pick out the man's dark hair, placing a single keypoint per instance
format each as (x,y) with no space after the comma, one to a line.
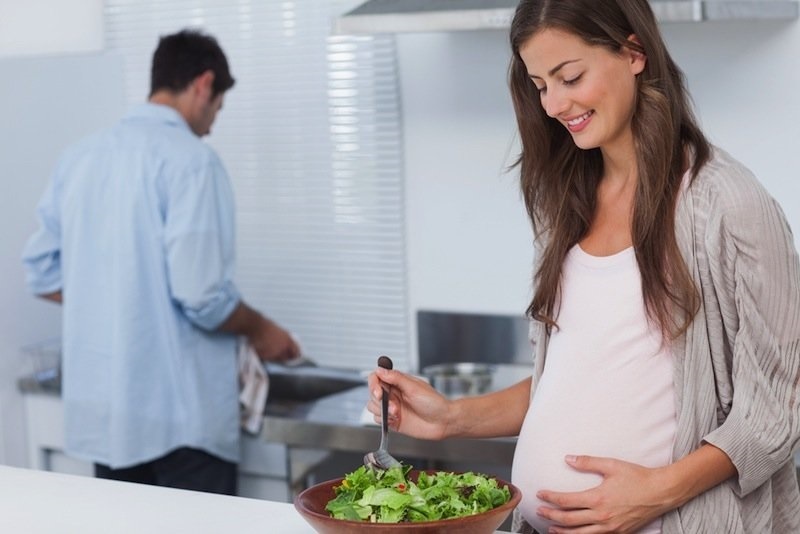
(183,56)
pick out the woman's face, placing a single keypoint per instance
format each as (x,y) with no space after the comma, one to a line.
(588,89)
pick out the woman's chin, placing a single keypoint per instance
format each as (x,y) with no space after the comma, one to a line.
(584,143)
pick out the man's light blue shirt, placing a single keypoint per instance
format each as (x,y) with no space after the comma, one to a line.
(137,231)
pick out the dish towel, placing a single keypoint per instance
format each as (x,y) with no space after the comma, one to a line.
(254,386)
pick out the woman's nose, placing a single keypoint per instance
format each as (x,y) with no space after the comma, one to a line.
(554,103)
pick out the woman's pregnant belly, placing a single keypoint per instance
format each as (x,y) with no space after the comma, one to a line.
(624,412)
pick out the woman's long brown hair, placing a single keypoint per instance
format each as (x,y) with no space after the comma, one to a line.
(559,180)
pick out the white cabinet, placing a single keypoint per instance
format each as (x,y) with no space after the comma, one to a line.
(45,424)
(262,471)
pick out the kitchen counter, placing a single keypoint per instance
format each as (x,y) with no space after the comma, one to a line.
(29,384)
(40,502)
(43,502)
(335,422)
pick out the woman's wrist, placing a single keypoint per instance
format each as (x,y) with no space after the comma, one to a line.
(673,483)
(454,425)
(693,474)
(466,417)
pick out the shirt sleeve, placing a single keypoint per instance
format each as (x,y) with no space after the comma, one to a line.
(41,256)
(199,240)
(762,428)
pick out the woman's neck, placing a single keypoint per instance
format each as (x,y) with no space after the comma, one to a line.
(619,163)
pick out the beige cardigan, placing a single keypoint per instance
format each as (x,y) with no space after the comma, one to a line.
(737,368)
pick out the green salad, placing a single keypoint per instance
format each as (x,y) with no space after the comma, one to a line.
(390,497)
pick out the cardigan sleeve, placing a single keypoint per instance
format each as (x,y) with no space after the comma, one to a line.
(762,429)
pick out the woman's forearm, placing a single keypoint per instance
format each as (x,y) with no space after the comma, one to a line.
(695,473)
(492,415)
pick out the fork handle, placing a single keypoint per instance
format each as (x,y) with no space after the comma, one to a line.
(386,363)
(385,417)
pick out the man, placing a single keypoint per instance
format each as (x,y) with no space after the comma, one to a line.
(136,240)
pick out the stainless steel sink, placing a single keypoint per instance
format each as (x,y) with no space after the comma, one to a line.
(309,383)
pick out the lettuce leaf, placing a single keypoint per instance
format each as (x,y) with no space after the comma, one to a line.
(390,497)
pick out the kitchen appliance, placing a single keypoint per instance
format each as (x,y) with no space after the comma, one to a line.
(397,16)
(460,379)
(450,337)
(473,353)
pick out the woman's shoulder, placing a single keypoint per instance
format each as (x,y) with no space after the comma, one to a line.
(730,199)
(724,176)
(727,185)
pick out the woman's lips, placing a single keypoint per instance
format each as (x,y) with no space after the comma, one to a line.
(577,124)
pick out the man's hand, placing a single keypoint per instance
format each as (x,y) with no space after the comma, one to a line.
(273,343)
(56,296)
(270,341)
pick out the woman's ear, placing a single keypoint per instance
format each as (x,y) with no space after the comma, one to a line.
(638,59)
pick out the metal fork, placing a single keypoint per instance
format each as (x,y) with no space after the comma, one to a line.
(381,459)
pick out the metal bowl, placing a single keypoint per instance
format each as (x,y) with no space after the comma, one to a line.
(460,379)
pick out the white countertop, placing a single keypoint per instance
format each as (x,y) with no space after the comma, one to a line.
(42,502)
(36,502)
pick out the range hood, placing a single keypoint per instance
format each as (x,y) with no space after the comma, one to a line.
(398,16)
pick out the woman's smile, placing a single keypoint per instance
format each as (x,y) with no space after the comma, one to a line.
(577,124)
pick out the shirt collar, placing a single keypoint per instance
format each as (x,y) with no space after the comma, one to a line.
(158,112)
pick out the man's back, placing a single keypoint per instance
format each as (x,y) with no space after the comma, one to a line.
(141,217)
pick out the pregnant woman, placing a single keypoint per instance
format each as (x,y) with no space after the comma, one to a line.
(665,318)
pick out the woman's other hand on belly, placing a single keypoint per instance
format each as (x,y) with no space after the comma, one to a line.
(629,497)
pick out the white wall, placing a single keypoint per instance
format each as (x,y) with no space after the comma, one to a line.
(469,242)
(744,78)
(468,237)
(34,27)
(45,104)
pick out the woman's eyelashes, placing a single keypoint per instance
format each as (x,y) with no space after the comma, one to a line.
(568,82)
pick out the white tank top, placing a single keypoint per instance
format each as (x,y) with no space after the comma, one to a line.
(606,389)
